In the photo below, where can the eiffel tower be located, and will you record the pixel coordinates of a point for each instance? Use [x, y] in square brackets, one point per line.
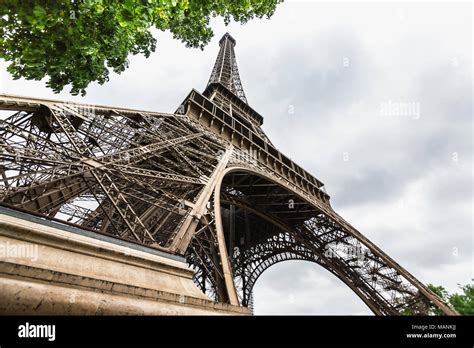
[204, 182]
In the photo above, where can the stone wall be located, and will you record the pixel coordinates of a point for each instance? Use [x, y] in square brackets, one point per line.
[52, 268]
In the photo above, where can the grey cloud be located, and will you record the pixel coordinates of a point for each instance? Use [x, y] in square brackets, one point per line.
[318, 292]
[388, 155]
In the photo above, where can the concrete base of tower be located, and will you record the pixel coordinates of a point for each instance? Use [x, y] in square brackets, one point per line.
[52, 268]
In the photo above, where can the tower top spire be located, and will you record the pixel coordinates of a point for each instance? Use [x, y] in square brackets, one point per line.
[227, 37]
[225, 69]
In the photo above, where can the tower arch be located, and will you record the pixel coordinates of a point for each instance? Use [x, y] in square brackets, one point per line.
[304, 231]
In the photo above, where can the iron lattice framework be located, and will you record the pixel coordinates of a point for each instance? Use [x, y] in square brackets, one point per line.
[204, 182]
[225, 69]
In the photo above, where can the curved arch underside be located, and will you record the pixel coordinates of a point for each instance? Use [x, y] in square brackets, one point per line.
[265, 223]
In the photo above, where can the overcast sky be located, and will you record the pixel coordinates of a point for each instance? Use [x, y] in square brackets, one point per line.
[374, 99]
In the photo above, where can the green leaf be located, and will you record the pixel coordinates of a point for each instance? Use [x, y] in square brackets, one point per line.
[39, 12]
[77, 50]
